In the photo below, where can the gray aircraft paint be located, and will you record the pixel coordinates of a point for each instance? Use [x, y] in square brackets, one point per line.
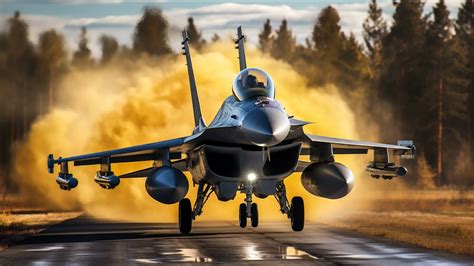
[251, 146]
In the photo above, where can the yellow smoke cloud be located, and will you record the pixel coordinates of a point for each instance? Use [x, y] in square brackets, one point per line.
[130, 103]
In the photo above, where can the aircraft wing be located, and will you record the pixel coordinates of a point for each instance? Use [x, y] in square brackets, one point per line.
[145, 152]
[322, 149]
[347, 146]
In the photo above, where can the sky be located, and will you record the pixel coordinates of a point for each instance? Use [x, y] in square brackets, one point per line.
[118, 17]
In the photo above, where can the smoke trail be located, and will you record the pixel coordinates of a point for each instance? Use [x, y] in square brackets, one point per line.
[130, 103]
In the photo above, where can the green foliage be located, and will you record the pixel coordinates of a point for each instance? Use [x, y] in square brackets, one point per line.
[265, 38]
[195, 36]
[109, 46]
[352, 68]
[151, 33]
[18, 62]
[215, 37]
[406, 73]
[443, 101]
[375, 30]
[400, 81]
[82, 57]
[465, 38]
[327, 35]
[52, 62]
[284, 44]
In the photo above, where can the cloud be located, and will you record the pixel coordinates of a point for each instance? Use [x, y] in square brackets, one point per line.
[86, 2]
[221, 18]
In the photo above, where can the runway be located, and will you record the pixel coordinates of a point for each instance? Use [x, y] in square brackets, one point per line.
[97, 242]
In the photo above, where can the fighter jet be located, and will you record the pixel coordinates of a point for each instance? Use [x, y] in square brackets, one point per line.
[251, 147]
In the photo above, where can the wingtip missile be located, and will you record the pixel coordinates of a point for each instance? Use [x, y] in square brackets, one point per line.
[51, 163]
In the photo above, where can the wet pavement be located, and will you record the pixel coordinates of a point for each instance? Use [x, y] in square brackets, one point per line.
[95, 242]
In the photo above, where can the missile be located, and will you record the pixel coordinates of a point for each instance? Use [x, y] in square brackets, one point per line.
[385, 170]
[107, 180]
[66, 181]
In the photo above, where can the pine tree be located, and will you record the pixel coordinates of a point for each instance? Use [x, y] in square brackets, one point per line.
[52, 62]
[375, 29]
[82, 57]
[328, 41]
[284, 44]
[215, 37]
[352, 66]
[327, 35]
[21, 61]
[264, 38]
[151, 33]
[401, 80]
[18, 62]
[465, 35]
[109, 47]
[195, 37]
[443, 99]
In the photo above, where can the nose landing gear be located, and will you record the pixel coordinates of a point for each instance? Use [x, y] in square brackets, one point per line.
[248, 209]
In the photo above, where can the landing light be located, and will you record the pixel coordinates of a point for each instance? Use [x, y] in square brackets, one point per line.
[252, 177]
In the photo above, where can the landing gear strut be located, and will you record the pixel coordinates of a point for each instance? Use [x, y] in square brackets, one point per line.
[203, 193]
[295, 211]
[248, 209]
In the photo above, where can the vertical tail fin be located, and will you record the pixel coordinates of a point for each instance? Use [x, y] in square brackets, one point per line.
[198, 119]
[240, 46]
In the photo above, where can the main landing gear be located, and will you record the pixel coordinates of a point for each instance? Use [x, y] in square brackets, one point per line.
[187, 214]
[295, 211]
[248, 209]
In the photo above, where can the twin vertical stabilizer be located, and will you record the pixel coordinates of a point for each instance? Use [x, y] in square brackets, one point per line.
[240, 47]
[198, 119]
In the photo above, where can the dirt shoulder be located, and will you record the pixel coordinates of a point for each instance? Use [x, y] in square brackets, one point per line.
[18, 225]
[435, 231]
[442, 220]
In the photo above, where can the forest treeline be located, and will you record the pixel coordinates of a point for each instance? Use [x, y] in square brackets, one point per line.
[415, 78]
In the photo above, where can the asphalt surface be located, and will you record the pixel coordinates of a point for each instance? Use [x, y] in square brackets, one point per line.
[88, 241]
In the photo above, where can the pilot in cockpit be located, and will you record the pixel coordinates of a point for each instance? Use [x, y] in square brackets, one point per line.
[253, 82]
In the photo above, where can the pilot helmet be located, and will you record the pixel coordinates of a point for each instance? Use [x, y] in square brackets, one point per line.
[253, 82]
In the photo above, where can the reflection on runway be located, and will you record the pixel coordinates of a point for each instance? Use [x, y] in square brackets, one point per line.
[88, 241]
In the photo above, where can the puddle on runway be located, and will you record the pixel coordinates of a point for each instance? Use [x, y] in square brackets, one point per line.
[253, 252]
[249, 253]
[51, 248]
[180, 255]
[292, 253]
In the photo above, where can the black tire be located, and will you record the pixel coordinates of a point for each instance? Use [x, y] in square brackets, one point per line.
[243, 215]
[297, 214]
[254, 215]
[185, 216]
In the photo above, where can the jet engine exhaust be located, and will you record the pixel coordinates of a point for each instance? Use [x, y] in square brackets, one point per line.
[167, 185]
[328, 180]
[266, 126]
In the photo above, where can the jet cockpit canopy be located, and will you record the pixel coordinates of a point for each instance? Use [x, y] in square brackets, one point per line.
[253, 82]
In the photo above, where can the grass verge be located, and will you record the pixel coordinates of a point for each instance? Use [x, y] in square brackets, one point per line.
[15, 227]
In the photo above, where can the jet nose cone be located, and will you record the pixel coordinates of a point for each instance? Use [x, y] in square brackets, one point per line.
[266, 126]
